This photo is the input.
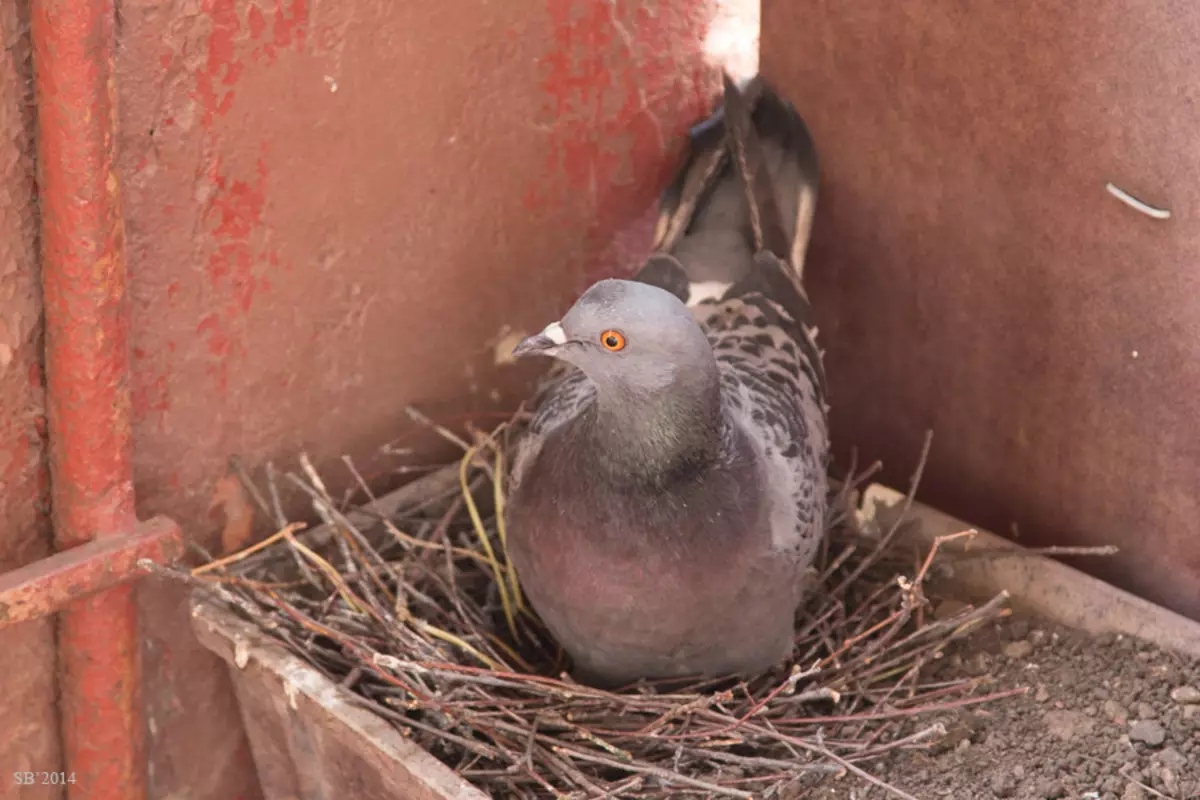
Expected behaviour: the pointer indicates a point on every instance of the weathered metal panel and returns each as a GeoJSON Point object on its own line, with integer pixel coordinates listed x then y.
{"type": "Point", "coordinates": [28, 723]}
{"type": "Point", "coordinates": [310, 742]}
{"type": "Point", "coordinates": [976, 278]}
{"type": "Point", "coordinates": [333, 209]}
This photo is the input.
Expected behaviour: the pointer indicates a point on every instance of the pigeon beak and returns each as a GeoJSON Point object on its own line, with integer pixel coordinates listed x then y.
{"type": "Point", "coordinates": [544, 343]}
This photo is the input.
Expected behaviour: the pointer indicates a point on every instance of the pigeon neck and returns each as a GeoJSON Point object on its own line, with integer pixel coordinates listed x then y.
{"type": "Point", "coordinates": [657, 435]}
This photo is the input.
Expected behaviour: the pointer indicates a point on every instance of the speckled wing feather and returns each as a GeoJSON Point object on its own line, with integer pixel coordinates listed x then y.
{"type": "Point", "coordinates": [772, 385]}
{"type": "Point", "coordinates": [733, 234]}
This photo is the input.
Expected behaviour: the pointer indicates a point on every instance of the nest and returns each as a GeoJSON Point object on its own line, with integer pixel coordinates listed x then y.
{"type": "Point", "coordinates": [408, 602]}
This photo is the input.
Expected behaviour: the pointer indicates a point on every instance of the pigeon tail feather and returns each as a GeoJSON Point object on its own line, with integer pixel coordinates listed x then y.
{"type": "Point", "coordinates": [748, 184]}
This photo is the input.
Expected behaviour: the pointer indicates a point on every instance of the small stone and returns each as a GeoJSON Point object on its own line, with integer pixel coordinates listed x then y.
{"type": "Point", "coordinates": [1148, 732]}
{"type": "Point", "coordinates": [1018, 650]}
{"type": "Point", "coordinates": [1186, 695]}
{"type": "Point", "coordinates": [1041, 695]}
{"type": "Point", "coordinates": [1172, 759]}
{"type": "Point", "coordinates": [1133, 792]}
{"type": "Point", "coordinates": [1003, 785]}
{"type": "Point", "coordinates": [1169, 780]}
{"type": "Point", "coordinates": [1019, 772]}
{"type": "Point", "coordinates": [1052, 790]}
{"type": "Point", "coordinates": [1145, 711]}
{"type": "Point", "coordinates": [1191, 712]}
{"type": "Point", "coordinates": [1067, 725]}
{"type": "Point", "coordinates": [1116, 712]}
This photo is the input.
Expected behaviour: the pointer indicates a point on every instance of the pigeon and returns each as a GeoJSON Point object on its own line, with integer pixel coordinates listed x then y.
{"type": "Point", "coordinates": [668, 497]}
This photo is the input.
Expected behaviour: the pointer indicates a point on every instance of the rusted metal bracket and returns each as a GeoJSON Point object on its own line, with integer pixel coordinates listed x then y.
{"type": "Point", "coordinates": [47, 586]}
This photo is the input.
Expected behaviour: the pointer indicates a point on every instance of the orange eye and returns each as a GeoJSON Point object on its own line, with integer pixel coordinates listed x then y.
{"type": "Point", "coordinates": [612, 340]}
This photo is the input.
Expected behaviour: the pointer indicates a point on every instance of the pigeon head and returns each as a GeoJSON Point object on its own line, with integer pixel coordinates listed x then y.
{"type": "Point", "coordinates": [625, 334]}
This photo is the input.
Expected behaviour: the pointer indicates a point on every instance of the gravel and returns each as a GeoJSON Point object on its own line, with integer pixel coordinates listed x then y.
{"type": "Point", "coordinates": [1105, 718]}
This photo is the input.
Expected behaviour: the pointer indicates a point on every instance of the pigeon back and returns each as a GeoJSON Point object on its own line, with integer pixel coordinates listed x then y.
{"type": "Point", "coordinates": [731, 241]}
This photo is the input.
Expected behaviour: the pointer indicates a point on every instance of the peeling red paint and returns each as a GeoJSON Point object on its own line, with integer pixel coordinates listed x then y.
{"type": "Point", "coordinates": [218, 343]}
{"type": "Point", "coordinates": [233, 216]}
{"type": "Point", "coordinates": [256, 22]}
{"type": "Point", "coordinates": [288, 29]}
{"type": "Point", "coordinates": [151, 396]}
{"type": "Point", "coordinates": [608, 139]}
{"type": "Point", "coordinates": [239, 203]}
{"type": "Point", "coordinates": [221, 66]}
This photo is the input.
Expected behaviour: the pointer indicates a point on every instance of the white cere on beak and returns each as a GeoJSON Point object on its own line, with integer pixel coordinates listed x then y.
{"type": "Point", "coordinates": [555, 333]}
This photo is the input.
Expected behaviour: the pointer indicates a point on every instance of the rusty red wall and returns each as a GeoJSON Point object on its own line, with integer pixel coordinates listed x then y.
{"type": "Point", "coordinates": [975, 277]}
{"type": "Point", "coordinates": [28, 726]}
{"type": "Point", "coordinates": [333, 208]}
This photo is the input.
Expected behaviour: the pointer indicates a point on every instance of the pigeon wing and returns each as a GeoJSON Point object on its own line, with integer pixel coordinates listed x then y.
{"type": "Point", "coordinates": [731, 239]}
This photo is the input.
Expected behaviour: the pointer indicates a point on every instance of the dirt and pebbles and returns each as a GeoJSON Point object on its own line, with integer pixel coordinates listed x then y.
{"type": "Point", "coordinates": [1105, 718]}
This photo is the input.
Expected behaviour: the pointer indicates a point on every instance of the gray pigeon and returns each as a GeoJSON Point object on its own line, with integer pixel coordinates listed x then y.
{"type": "Point", "coordinates": [670, 492]}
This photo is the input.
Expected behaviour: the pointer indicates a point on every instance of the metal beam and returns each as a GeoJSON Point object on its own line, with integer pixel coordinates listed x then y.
{"type": "Point", "coordinates": [47, 586]}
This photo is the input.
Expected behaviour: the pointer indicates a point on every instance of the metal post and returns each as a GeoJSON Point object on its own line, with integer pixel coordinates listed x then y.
{"type": "Point", "coordinates": [87, 374]}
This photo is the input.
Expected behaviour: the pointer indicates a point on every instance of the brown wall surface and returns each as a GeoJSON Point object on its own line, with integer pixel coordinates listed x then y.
{"type": "Point", "coordinates": [332, 210]}
{"type": "Point", "coordinates": [28, 724]}
{"type": "Point", "coordinates": [976, 278]}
